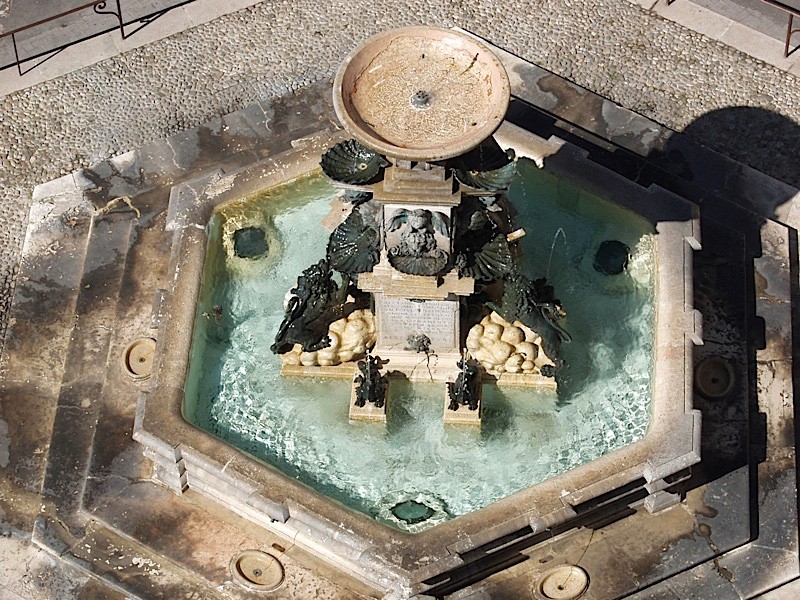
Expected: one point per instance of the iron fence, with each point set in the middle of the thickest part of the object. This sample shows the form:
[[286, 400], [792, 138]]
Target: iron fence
[[99, 7], [791, 11]]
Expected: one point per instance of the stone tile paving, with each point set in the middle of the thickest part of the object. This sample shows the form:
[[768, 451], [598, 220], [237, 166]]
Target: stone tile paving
[[65, 30], [755, 13], [619, 50]]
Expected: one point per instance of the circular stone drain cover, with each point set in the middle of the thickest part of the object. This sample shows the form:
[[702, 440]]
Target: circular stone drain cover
[[250, 242], [138, 357], [564, 582], [412, 512], [257, 570], [611, 257], [714, 377]]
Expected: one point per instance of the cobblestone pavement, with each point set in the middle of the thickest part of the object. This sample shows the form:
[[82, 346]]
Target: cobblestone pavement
[[619, 50]]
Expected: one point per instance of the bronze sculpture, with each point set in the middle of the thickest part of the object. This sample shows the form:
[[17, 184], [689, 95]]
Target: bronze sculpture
[[371, 386], [466, 389]]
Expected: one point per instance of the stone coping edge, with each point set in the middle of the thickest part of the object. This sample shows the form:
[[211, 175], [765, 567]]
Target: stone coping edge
[[715, 173]]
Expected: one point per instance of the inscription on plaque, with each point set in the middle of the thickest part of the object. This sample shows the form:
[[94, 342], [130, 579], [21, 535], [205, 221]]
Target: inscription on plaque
[[400, 317]]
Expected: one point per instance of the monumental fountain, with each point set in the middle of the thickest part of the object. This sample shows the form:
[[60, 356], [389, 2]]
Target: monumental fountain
[[447, 268], [427, 248]]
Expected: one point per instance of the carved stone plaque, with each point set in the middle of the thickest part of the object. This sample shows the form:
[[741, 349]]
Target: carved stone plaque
[[400, 317]]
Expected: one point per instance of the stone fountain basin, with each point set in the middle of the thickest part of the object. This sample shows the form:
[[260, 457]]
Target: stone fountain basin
[[187, 457], [421, 93]]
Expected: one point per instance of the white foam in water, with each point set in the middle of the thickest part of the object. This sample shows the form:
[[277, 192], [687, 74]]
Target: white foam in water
[[300, 426]]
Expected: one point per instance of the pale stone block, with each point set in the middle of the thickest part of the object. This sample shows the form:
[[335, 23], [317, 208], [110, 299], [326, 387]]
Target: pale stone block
[[397, 318]]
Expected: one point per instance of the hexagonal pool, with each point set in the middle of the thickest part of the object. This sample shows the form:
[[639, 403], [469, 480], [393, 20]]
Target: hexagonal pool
[[414, 472]]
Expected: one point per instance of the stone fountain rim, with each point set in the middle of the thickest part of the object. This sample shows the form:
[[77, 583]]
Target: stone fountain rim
[[361, 132]]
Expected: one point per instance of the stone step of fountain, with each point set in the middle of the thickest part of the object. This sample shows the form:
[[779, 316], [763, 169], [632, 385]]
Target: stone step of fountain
[[38, 336], [83, 380]]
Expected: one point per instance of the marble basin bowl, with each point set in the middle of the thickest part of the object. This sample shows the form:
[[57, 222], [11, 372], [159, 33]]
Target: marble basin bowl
[[421, 93]]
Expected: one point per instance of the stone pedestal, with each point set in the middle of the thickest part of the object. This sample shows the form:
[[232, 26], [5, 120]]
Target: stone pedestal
[[368, 412], [410, 304], [389, 281], [463, 415], [413, 366], [520, 380], [399, 318]]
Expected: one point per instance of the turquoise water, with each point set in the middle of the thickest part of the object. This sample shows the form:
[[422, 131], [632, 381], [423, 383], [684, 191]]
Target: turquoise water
[[235, 391]]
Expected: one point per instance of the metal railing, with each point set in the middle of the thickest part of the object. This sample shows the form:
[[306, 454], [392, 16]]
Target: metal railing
[[791, 11], [100, 7]]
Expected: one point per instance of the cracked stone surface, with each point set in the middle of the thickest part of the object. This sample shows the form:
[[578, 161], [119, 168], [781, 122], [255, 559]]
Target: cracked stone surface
[[29, 572]]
